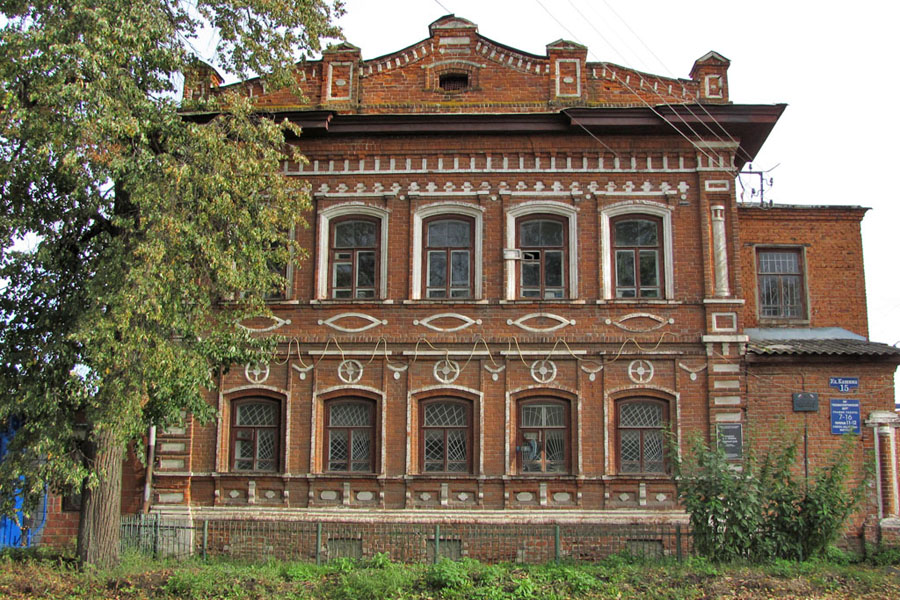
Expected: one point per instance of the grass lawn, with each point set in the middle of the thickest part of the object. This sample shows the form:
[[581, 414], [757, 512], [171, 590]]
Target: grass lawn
[[45, 575]]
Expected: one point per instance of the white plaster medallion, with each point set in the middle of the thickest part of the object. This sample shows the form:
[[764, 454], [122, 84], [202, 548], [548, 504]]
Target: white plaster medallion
[[256, 372], [640, 371], [446, 370], [543, 371], [350, 371]]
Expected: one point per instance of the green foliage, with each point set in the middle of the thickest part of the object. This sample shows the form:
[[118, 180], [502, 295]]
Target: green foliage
[[123, 224], [388, 582], [765, 511], [449, 574]]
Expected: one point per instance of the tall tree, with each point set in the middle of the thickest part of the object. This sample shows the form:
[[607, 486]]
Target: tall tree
[[124, 224]]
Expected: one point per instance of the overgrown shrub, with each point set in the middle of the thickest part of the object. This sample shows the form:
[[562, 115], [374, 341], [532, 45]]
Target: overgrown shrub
[[764, 510]]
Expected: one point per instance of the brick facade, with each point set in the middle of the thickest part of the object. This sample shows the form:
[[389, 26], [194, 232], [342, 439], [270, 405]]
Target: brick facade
[[458, 128]]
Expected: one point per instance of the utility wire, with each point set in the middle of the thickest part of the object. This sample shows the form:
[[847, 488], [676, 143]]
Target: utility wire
[[709, 157]]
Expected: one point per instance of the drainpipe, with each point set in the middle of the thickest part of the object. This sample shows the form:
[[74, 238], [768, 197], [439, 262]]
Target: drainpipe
[[148, 478]]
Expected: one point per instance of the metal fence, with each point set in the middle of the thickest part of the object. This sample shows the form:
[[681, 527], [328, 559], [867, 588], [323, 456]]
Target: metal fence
[[322, 541]]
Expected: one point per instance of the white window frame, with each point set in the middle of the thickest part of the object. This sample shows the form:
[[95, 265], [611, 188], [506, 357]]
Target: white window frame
[[512, 254], [449, 209], [636, 208], [322, 264]]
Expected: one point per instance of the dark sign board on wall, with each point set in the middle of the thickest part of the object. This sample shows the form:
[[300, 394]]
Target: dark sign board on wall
[[730, 437]]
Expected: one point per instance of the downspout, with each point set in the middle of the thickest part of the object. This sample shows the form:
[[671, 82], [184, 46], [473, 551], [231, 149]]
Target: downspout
[[148, 478]]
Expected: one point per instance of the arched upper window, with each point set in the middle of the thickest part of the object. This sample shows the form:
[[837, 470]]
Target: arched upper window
[[542, 269], [255, 431], [448, 257], [350, 436], [543, 436], [354, 258], [638, 256], [640, 423], [445, 436]]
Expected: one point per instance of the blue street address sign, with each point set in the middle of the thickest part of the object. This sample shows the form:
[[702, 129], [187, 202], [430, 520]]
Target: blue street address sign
[[845, 416], [844, 384]]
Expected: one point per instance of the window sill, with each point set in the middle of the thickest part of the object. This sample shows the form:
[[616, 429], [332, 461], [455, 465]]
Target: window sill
[[541, 476], [633, 301], [349, 301], [443, 301], [442, 476], [787, 322], [641, 476], [533, 301]]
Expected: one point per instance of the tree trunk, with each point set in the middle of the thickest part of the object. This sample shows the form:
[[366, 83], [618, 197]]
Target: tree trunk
[[101, 507]]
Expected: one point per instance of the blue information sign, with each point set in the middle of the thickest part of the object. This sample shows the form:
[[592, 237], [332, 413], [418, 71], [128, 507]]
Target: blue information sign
[[844, 384], [844, 416]]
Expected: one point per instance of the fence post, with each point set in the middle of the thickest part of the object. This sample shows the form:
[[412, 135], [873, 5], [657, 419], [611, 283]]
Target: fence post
[[318, 544], [156, 537], [437, 543], [678, 541], [205, 536], [556, 542]]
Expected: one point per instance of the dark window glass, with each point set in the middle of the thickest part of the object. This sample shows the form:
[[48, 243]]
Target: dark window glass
[[780, 276], [448, 255], [543, 437], [640, 427], [349, 436], [637, 254], [542, 270], [354, 258], [453, 81], [254, 435]]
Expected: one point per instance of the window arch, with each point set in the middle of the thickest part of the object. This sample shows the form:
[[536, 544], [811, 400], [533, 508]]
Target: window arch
[[543, 266], [448, 256], [445, 212], [637, 255], [640, 424], [352, 252], [639, 222], [445, 436], [255, 433], [543, 436], [350, 435]]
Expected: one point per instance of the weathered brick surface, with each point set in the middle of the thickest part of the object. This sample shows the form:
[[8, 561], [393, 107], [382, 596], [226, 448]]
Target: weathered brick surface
[[602, 348]]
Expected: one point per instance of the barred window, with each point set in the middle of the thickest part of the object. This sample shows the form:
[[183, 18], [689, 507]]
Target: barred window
[[255, 426], [543, 437], [780, 281], [640, 424], [350, 436], [445, 438]]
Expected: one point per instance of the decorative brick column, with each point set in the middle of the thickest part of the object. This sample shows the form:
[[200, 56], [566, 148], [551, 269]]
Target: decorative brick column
[[885, 425]]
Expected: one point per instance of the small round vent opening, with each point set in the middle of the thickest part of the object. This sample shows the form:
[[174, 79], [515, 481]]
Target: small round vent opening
[[453, 82]]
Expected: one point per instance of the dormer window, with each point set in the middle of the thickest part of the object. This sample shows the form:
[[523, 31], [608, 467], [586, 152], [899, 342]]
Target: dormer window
[[454, 82]]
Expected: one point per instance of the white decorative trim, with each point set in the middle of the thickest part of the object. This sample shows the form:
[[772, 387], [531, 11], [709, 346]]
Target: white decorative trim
[[561, 322], [302, 371], [577, 77], [728, 417], [350, 371], [640, 371], [247, 388], [543, 371], [637, 207], [277, 325], [714, 185], [446, 371], [661, 322], [466, 322], [693, 372], [332, 322], [592, 373], [495, 373], [329, 92], [256, 373], [537, 207], [446, 208], [341, 210]]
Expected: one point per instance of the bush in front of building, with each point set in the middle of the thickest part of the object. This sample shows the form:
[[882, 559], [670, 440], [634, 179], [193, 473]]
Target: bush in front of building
[[762, 509]]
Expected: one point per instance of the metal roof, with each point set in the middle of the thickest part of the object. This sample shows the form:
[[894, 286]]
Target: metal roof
[[830, 347]]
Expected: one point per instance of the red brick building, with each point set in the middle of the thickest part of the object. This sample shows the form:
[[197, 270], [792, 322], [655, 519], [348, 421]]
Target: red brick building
[[521, 270]]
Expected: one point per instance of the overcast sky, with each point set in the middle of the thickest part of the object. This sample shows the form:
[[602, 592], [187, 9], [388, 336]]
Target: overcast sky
[[832, 63]]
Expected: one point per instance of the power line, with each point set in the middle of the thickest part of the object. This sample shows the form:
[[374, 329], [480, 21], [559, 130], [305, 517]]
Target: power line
[[438, 2], [710, 158]]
